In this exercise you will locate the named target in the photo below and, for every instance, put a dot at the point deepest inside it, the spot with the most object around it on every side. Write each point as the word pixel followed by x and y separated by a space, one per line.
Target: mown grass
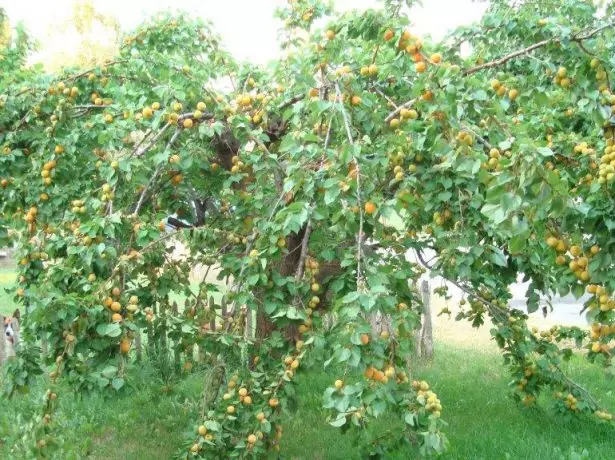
pixel 7 280
pixel 150 421
pixel 484 423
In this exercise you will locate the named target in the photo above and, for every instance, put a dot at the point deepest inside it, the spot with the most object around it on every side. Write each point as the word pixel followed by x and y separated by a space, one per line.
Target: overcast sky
pixel 247 26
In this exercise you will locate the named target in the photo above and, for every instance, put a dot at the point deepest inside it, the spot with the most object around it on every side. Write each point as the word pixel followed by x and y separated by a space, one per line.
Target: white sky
pixel 247 27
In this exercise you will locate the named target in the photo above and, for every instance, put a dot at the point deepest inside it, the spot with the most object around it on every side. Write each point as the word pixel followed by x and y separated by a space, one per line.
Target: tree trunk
pixel 288 265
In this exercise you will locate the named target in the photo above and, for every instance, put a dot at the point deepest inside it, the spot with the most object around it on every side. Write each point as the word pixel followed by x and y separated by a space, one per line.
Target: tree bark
pixel 288 265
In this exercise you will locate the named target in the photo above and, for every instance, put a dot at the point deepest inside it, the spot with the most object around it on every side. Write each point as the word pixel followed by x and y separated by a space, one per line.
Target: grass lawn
pixel 7 279
pixel 484 423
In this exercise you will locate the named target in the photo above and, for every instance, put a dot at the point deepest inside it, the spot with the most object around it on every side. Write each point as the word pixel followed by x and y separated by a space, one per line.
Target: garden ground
pixel 467 374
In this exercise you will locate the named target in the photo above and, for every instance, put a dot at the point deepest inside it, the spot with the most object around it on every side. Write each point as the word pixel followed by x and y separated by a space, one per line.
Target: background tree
pixel 86 38
pixel 502 163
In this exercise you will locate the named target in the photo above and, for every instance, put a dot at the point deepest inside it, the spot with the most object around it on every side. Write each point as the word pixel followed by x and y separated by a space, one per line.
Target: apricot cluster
pixel 427 398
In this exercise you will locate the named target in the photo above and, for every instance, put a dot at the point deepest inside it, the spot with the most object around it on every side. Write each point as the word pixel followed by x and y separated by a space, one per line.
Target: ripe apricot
pixel 370 208
pixel 125 346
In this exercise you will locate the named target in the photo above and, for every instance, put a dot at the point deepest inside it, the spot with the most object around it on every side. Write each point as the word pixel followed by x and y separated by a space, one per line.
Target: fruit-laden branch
pixel 504 59
pixel 358 171
pixel 492 308
pixel 394 113
pixel 251 240
pixel 605 63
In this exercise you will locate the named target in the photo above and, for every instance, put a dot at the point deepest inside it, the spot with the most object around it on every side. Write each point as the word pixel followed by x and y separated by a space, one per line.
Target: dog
pixel 10 335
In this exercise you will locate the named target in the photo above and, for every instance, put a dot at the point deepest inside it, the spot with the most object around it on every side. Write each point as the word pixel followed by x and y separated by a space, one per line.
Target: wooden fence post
pixel 138 346
pixel 2 342
pixel 426 339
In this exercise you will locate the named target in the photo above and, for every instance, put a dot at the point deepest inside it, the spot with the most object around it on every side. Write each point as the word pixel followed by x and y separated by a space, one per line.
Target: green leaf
pixel 545 151
pixel 497 257
pixel 351 297
pixel 110 330
pixel 410 419
pixel 117 383
pixel 109 372
pixel 212 425
pixel 495 213
pixel 339 421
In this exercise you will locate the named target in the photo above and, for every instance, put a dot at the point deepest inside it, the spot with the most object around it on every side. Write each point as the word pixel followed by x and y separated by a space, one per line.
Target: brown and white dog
pixel 10 335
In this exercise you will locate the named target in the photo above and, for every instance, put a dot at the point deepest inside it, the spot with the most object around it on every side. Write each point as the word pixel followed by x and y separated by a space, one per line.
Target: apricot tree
pixel 305 184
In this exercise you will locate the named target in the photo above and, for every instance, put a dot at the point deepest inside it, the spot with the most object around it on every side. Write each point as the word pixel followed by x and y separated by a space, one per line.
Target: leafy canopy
pixel 305 185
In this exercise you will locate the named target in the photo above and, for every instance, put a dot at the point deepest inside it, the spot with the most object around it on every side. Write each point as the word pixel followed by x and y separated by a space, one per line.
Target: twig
pixel 92 106
pixel 504 59
pixel 291 101
pixel 155 175
pixel 141 151
pixel 494 309
pixel 389 100
pixel 574 384
pixel 328 136
pixel 584 49
pixel 481 139
pixel 83 74
pixel 395 112
pixel 460 207
pixel 375 54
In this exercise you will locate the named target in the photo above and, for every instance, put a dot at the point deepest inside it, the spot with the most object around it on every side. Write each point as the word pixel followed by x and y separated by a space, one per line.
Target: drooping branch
pixel 496 310
pixel 358 171
pixel 493 309
pixel 504 59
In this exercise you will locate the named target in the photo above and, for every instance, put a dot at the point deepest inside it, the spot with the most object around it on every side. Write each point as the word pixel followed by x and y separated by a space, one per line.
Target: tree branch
pixel 389 100
pixel 395 112
pixel 155 175
pixel 141 151
pixel 504 59
pixel 358 170
pixel 304 246
pixel 494 309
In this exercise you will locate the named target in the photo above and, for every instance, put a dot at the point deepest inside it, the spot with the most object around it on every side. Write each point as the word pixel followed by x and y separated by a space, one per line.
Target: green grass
pixel 7 280
pixel 484 423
